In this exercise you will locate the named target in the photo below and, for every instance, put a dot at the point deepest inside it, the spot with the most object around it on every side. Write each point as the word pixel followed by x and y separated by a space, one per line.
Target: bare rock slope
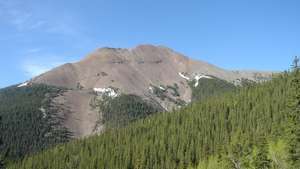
pixel 140 71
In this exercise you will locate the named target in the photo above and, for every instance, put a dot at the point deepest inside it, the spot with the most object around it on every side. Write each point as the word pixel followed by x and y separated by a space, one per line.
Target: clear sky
pixel 36 35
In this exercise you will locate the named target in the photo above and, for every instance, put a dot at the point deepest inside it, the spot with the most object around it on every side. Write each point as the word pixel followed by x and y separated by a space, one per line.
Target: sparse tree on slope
pixel 295 64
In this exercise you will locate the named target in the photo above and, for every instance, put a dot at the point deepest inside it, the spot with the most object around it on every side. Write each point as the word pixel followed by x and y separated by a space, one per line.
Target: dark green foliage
pixel 121 110
pixel 293 126
pixel 29 122
pixel 261 160
pixel 228 131
pixel 209 87
pixel 1 160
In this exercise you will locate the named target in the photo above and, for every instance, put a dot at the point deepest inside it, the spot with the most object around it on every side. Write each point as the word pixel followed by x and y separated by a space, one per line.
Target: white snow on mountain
pixel 151 89
pixel 198 77
pixel 161 88
pixel 23 84
pixel 108 91
pixel 183 76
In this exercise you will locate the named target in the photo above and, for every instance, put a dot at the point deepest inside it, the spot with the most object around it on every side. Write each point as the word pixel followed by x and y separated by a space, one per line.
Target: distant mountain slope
pixel 206 87
pixel 151 72
pixel 252 128
pixel 134 70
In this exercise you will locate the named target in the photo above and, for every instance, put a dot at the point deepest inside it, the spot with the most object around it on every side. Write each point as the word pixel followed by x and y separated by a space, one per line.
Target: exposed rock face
pixel 79 117
pixel 136 71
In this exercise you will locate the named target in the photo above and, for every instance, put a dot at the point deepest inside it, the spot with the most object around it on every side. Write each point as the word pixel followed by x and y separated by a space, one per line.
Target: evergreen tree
pixel 293 131
pixel 261 160
pixel 1 160
pixel 295 64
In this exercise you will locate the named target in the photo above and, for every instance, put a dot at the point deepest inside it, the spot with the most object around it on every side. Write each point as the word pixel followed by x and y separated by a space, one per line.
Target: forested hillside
pixel 28 121
pixel 210 87
pixel 120 111
pixel 256 127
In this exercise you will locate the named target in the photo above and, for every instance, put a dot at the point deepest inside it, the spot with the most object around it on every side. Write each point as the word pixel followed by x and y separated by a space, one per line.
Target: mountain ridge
pixel 141 63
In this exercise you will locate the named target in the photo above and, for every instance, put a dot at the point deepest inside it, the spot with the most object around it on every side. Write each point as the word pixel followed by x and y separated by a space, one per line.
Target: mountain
pixel 110 88
pixel 135 70
pixel 255 127
pixel 154 73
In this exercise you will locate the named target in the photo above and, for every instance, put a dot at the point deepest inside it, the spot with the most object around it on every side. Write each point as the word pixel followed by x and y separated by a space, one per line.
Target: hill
pixel 256 127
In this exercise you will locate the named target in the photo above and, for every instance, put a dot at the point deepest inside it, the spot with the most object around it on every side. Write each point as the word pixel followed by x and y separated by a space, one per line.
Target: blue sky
pixel 234 34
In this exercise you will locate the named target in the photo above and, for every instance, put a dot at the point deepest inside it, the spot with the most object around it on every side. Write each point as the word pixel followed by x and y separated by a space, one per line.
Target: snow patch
pixel 198 77
pixel 44 112
pixel 23 84
pixel 161 88
pixel 107 91
pixel 183 76
pixel 151 89
pixel 237 82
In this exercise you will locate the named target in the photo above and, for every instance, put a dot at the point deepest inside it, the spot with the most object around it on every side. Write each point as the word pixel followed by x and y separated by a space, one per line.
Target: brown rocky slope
pixel 138 71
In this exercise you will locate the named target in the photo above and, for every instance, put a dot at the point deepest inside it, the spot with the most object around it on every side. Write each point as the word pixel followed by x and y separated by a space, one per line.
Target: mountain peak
pixel 141 46
pixel 147 47
pixel 140 52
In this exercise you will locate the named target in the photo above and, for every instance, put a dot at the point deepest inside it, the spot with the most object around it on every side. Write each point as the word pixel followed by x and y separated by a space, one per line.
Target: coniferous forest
pixel 210 87
pixel 256 127
pixel 1 160
pixel 124 109
pixel 29 123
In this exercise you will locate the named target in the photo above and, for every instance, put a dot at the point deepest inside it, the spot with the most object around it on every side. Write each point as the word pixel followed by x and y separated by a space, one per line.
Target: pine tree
pixel 1 160
pixel 293 131
pixel 261 160
pixel 295 64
